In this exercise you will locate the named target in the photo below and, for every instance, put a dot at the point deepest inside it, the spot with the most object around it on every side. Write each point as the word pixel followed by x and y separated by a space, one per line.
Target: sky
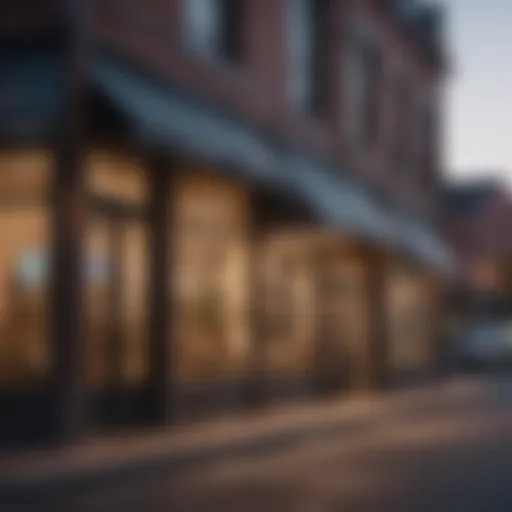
pixel 479 89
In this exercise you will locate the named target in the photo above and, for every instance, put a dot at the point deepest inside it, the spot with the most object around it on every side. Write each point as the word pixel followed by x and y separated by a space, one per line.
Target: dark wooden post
pixel 161 284
pixel 255 388
pixel 69 218
pixel 115 334
pixel 439 344
pixel 377 318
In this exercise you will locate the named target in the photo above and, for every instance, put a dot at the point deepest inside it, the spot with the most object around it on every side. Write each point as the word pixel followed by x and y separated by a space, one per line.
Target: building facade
pixel 210 203
pixel 476 216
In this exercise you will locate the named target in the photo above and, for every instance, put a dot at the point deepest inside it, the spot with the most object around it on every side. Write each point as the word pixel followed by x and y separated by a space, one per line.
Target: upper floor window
pixel 372 71
pixel 363 72
pixel 308 39
pixel 427 145
pixel 402 118
pixel 213 28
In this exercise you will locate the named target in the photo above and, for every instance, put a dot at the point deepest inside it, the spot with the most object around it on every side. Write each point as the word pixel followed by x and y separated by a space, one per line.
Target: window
pixel 25 356
pixel 209 290
pixel 371 60
pixel 401 115
pixel 308 39
pixel 363 68
pixel 213 28
pixel 427 148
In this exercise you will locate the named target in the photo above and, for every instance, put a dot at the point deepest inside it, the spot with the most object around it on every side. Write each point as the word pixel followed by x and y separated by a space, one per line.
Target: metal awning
pixel 422 242
pixel 339 202
pixel 167 119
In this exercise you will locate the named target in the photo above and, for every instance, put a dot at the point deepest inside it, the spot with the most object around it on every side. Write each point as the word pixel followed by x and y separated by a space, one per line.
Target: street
pixel 457 457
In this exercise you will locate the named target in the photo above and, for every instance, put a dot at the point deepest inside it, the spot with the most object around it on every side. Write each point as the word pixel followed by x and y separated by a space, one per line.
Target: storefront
pixel 415 283
pixel 344 355
pixel 411 324
pixel 140 280
pixel 210 262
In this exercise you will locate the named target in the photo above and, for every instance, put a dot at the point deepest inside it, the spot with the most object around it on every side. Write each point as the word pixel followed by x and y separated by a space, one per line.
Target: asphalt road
pixel 457 458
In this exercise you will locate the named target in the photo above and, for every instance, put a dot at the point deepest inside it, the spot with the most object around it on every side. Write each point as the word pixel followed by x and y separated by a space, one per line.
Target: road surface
pixel 457 458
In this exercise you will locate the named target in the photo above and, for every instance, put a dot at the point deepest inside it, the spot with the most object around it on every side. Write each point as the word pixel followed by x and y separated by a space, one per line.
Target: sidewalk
pixel 100 459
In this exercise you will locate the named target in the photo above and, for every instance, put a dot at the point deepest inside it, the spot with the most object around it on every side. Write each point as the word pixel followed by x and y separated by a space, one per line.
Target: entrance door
pixel 117 317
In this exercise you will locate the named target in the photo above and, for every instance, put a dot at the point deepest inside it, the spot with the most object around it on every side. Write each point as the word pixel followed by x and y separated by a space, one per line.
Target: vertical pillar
pixel 161 283
pixel 69 205
pixel 439 342
pixel 115 343
pixel 377 318
pixel 69 209
pixel 255 388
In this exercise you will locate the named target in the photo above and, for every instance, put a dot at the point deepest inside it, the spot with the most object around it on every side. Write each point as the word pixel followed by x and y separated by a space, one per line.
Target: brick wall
pixel 149 32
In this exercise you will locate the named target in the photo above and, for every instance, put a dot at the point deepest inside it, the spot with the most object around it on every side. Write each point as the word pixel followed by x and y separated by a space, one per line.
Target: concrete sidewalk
pixel 124 456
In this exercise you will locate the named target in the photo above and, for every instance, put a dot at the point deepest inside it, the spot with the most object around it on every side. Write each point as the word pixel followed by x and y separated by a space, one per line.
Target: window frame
pixel 363 77
pixel 225 41
pixel 308 45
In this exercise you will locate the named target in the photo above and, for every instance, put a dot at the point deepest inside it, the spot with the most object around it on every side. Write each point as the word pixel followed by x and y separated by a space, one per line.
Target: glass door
pixel 117 317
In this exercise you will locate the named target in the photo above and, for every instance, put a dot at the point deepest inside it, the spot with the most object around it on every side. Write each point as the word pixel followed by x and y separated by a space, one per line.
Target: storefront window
pixel 286 306
pixel 97 278
pixel 135 304
pixel 210 279
pixel 410 332
pixel 25 358
pixel 121 178
pixel 116 273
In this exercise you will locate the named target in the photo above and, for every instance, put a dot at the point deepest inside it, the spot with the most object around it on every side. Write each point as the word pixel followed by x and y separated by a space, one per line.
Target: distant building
pixel 477 216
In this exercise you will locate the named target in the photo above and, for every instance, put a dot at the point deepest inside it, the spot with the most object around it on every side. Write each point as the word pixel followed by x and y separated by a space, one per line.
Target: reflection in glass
pixel 209 286
pixel 117 177
pixel 97 302
pixel 24 235
pixel 134 307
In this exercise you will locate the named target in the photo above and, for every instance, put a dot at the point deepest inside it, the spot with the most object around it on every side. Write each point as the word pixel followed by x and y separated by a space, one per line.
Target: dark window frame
pixel 371 108
pixel 402 115
pixel 229 42
pixel 427 146
pixel 313 56
pixel 365 68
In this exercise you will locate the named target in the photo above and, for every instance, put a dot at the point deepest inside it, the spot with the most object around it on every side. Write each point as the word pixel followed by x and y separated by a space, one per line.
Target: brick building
pixel 210 203
pixel 476 219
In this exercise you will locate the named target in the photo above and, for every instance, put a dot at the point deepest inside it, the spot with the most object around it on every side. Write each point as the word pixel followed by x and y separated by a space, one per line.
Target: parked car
pixel 486 345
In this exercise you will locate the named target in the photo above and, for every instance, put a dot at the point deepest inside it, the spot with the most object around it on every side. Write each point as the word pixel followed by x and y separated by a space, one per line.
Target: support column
pixel 377 317
pixel 69 204
pixel 255 388
pixel 69 219
pixel 161 282
pixel 439 343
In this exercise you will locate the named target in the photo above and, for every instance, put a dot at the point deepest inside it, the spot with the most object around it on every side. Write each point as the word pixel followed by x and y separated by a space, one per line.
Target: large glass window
pixel 210 275
pixel 286 306
pixel 343 321
pixel 25 356
pixel 117 178
pixel 408 321
pixel 116 273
